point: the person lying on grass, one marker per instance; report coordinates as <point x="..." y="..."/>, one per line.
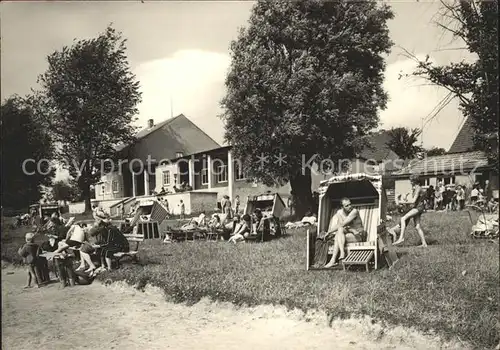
<point x="29" y="252"/>
<point x="417" y="208"/>
<point x="200" y="221"/>
<point x="348" y="228"/>
<point x="242" y="230"/>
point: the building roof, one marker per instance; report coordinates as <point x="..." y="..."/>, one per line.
<point x="377" y="148"/>
<point x="183" y="120"/>
<point x="445" y="164"/>
<point x="464" y="140"/>
<point x="169" y="137"/>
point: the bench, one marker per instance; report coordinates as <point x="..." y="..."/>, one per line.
<point x="131" y="237"/>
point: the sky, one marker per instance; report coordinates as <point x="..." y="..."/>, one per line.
<point x="179" y="51"/>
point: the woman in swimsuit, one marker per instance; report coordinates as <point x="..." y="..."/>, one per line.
<point x="415" y="213"/>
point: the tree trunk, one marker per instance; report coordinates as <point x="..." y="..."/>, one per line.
<point x="86" y="196"/>
<point x="85" y="187"/>
<point x="301" y="193"/>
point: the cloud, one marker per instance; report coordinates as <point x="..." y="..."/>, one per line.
<point x="411" y="99"/>
<point x="193" y="80"/>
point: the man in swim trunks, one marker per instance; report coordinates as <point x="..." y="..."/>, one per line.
<point x="349" y="228"/>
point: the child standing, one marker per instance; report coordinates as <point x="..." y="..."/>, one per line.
<point x="183" y="209"/>
<point x="29" y="252"/>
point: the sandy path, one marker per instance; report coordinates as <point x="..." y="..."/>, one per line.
<point x="118" y="317"/>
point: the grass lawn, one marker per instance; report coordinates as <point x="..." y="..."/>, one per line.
<point x="450" y="288"/>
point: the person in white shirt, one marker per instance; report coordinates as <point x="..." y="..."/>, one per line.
<point x="460" y="197"/>
<point x="474" y="194"/>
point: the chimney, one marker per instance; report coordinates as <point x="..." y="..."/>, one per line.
<point x="151" y="123"/>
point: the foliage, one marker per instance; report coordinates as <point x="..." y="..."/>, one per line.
<point x="89" y="98"/>
<point x="23" y="138"/>
<point x="474" y="84"/>
<point x="403" y="142"/>
<point x="305" y="81"/>
<point x="435" y="151"/>
<point x="63" y="191"/>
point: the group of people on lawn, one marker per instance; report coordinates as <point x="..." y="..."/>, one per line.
<point x="102" y="240"/>
<point x="348" y="226"/>
<point x="235" y="228"/>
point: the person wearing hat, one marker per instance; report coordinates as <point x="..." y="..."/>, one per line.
<point x="29" y="252"/>
<point x="109" y="240"/>
<point x="100" y="215"/>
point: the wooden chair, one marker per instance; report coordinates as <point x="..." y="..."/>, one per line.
<point x="213" y="234"/>
<point x="362" y="253"/>
<point x="136" y="238"/>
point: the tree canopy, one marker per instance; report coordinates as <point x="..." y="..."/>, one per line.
<point x="305" y="83"/>
<point x="26" y="152"/>
<point x="89" y="97"/>
<point x="475" y="84"/>
<point x="64" y="191"/>
<point x="435" y="151"/>
<point x="403" y="142"/>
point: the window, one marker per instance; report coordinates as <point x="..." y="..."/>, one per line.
<point x="179" y="155"/>
<point x="103" y="190"/>
<point x="427" y="182"/>
<point x="238" y="172"/>
<point x="166" y="177"/>
<point x="114" y="186"/>
<point x="204" y="176"/>
<point x="449" y="180"/>
<point x="222" y="173"/>
<point x="108" y="187"/>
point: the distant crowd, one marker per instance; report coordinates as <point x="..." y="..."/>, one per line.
<point x="455" y="197"/>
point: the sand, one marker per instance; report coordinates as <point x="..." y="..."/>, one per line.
<point x="120" y="317"/>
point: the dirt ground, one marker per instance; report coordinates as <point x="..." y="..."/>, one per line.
<point x="119" y="317"/>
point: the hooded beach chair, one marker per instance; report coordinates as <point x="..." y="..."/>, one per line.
<point x="366" y="195"/>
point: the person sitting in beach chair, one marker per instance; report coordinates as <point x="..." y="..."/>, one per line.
<point x="260" y="226"/>
<point x="348" y="228"/>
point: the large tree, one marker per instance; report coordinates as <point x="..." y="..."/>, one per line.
<point x="475" y="84"/>
<point x="89" y="97"/>
<point x="26" y="152"/>
<point x="305" y="85"/>
<point x="403" y="142"/>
